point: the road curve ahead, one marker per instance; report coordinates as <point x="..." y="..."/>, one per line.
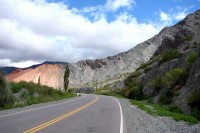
<point x="87" y="114"/>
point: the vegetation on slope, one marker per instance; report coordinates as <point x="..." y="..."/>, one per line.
<point x="163" y="110"/>
<point x="172" y="81"/>
<point x="30" y="93"/>
<point x="5" y="92"/>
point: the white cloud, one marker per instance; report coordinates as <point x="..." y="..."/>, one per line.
<point x="173" y="15"/>
<point x="180" y="15"/>
<point x="116" y="4"/>
<point x="22" y="64"/>
<point x="164" y="16"/>
<point x="35" y="31"/>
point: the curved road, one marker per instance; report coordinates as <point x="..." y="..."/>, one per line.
<point x="87" y="114"/>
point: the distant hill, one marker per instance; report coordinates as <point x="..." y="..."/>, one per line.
<point x="8" y="70"/>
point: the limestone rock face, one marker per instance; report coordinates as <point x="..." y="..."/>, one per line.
<point x="47" y="74"/>
<point x="87" y="71"/>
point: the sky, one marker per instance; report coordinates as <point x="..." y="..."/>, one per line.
<point x="34" y="31"/>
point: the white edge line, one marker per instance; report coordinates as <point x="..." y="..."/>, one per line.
<point x="121" y="116"/>
<point x="43" y="107"/>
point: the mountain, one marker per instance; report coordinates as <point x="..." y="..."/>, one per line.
<point x="8" y="70"/>
<point x="172" y="75"/>
<point x="45" y="74"/>
<point x="118" y="67"/>
<point x="88" y="72"/>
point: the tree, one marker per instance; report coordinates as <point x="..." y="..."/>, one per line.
<point x="66" y="78"/>
<point x="5" y="91"/>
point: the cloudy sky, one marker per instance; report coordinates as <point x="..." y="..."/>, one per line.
<point x="33" y="31"/>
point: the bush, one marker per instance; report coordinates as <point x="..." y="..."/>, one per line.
<point x="188" y="38"/>
<point x="169" y="55"/>
<point x="156" y="83"/>
<point x="194" y="99"/>
<point x="5" y="92"/>
<point x="134" y="90"/>
<point x="165" y="98"/>
<point x="45" y="93"/>
<point x="174" y="77"/>
<point x="146" y="64"/>
<point x="134" y="75"/>
<point x="190" y="59"/>
<point x="147" y="69"/>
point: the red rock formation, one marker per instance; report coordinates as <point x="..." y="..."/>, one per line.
<point x="47" y="74"/>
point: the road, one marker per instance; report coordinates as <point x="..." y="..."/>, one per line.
<point x="87" y="114"/>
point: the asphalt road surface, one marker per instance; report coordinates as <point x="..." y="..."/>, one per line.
<point x="87" y="114"/>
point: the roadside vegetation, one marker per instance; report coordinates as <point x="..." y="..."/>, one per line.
<point x="171" y="82"/>
<point x="114" y="94"/>
<point x="23" y="94"/>
<point x="165" y="110"/>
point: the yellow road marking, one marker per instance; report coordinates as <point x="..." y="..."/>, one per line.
<point x="46" y="124"/>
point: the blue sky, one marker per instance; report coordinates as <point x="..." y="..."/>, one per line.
<point x="143" y="10"/>
<point x="76" y="30"/>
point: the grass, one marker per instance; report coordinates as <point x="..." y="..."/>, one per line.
<point x="170" y="111"/>
<point x="44" y="94"/>
<point x="146" y="64"/>
<point x="114" y="94"/>
<point x="170" y="55"/>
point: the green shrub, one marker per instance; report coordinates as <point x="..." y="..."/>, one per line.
<point x="196" y="113"/>
<point x="174" y="77"/>
<point x="169" y="55"/>
<point x="188" y="38"/>
<point x="194" y="99"/>
<point x="156" y="83"/>
<point x="134" y="75"/>
<point x="5" y="92"/>
<point x="106" y="87"/>
<point x="134" y="90"/>
<point x="190" y="59"/>
<point x="147" y="69"/>
<point x="146" y="64"/>
<point x="165" y="98"/>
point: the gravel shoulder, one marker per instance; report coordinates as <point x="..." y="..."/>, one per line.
<point x="138" y="121"/>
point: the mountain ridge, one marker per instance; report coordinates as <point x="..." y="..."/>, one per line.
<point x="89" y="72"/>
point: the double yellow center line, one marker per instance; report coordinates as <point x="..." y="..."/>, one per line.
<point x="46" y="124"/>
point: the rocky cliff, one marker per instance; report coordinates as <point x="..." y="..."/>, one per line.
<point x="86" y="73"/>
<point x="172" y="75"/>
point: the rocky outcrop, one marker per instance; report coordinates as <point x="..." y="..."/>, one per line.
<point x="192" y="85"/>
<point x="85" y="72"/>
<point x="47" y="74"/>
<point x="157" y="74"/>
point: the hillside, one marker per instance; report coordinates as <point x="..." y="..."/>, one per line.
<point x="46" y="74"/>
<point x="84" y="72"/>
<point x="172" y="75"/>
<point x="116" y="68"/>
